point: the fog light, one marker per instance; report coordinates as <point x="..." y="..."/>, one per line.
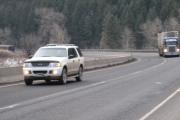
<point x="27" y="72"/>
<point x="55" y="72"/>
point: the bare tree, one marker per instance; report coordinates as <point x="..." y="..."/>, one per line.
<point x="5" y="36"/>
<point x="172" y="24"/>
<point x="150" y="30"/>
<point x="30" y="43"/>
<point x="128" y="38"/>
<point x="52" y="28"/>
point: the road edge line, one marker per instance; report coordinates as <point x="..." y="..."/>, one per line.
<point x="159" y="105"/>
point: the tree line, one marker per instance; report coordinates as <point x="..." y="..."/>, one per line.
<point x="113" y="24"/>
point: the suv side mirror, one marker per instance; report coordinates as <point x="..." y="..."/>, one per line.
<point x="71" y="56"/>
<point x="30" y="56"/>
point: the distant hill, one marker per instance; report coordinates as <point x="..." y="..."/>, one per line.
<point x="88" y="23"/>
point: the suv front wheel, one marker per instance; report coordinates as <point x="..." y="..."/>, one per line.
<point x="28" y="81"/>
<point x="63" y="79"/>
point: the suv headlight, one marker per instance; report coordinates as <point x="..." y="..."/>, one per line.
<point x="27" y="65"/>
<point x="55" y="65"/>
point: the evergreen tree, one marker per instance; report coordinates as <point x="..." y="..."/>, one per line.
<point x="111" y="35"/>
<point x="90" y="23"/>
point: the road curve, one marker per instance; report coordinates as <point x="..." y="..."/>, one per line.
<point x="126" y="92"/>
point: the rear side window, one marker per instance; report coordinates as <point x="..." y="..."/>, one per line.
<point x="79" y="51"/>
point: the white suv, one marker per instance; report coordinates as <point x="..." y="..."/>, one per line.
<point x="54" y="62"/>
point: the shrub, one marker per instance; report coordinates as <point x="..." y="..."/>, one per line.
<point x="7" y="54"/>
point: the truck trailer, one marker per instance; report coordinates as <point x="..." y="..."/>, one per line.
<point x="168" y="43"/>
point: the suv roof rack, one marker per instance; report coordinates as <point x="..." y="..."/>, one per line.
<point x="60" y="45"/>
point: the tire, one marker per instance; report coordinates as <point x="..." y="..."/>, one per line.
<point x="80" y="74"/>
<point x="63" y="78"/>
<point x="28" y="82"/>
<point x="48" y="81"/>
<point x="165" y="56"/>
<point x="160" y="55"/>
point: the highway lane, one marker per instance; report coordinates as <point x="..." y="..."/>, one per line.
<point x="10" y="95"/>
<point x="124" y="92"/>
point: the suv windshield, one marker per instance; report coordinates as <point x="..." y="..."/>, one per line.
<point x="51" y="52"/>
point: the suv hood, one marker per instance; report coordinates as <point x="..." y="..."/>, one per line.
<point x="48" y="59"/>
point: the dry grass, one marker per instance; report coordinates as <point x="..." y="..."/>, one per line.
<point x="10" y="59"/>
<point x="7" y="54"/>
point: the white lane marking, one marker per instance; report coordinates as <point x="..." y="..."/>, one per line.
<point x="138" y="60"/>
<point x="156" y="66"/>
<point x="134" y="73"/>
<point x="159" y="105"/>
<point x="11" y="85"/>
<point x="43" y="98"/>
<point x="9" y="107"/>
<point x="138" y="72"/>
<point x="158" y="83"/>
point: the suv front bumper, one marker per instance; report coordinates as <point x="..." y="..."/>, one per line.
<point x="42" y="73"/>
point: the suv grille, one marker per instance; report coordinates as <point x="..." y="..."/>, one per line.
<point x="172" y="49"/>
<point x="40" y="64"/>
<point x="39" y="72"/>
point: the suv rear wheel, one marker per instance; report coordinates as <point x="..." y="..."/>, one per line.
<point x="80" y="74"/>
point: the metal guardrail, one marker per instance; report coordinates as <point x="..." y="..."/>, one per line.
<point x="121" y="50"/>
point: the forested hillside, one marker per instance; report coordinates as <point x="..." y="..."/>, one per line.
<point x="88" y="23"/>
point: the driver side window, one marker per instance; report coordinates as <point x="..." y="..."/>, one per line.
<point x="72" y="53"/>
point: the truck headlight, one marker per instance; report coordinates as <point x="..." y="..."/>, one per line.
<point x="177" y="50"/>
<point x="27" y="65"/>
<point x="165" y="50"/>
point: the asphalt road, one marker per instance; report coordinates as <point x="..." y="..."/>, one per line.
<point x="147" y="89"/>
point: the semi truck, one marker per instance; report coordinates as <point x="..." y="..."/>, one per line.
<point x="168" y="43"/>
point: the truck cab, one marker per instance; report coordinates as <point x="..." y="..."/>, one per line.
<point x="170" y="47"/>
<point x="168" y="43"/>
